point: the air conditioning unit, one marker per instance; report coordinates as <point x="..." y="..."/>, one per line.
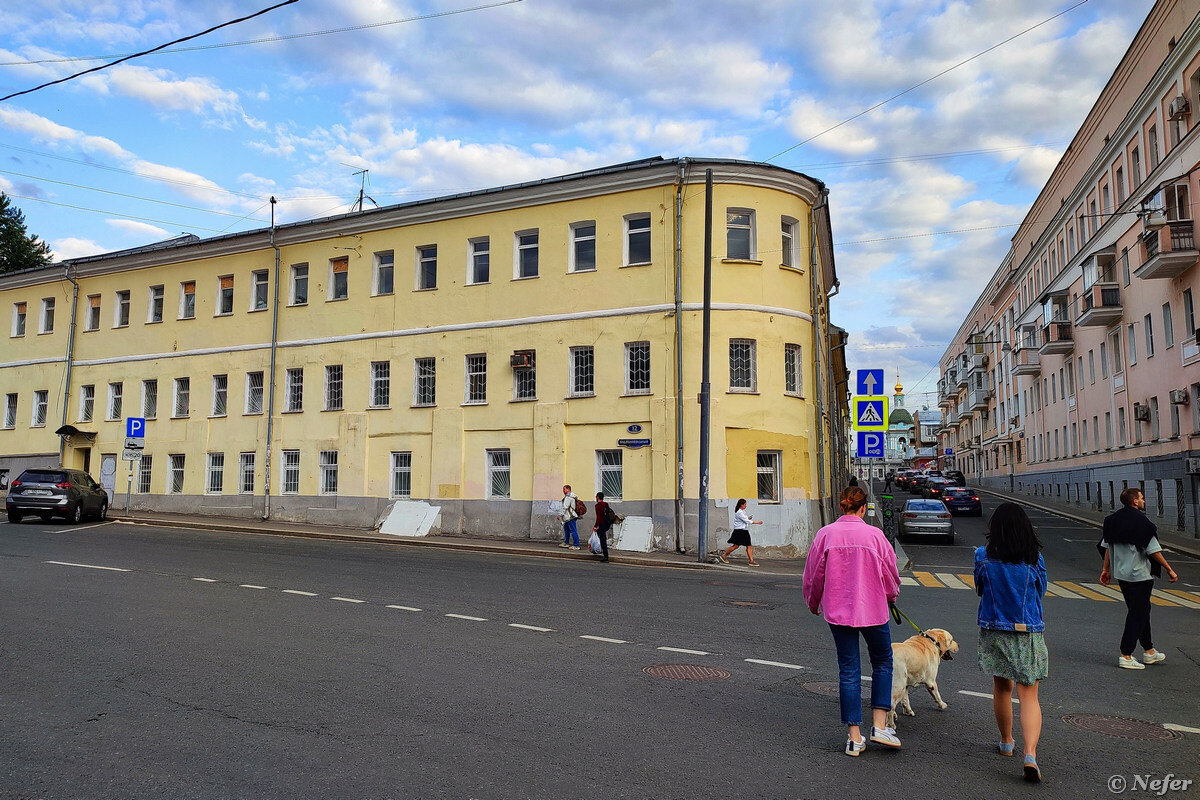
<point x="1193" y="466"/>
<point x="1141" y="412"/>
<point x="1154" y="218"/>
<point x="522" y="359"/>
<point x="1179" y="397"/>
<point x="1178" y="108"/>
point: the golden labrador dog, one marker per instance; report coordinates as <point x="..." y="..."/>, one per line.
<point x="915" y="662"/>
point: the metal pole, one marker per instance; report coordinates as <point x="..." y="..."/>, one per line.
<point x="679" y="467"/>
<point x="705" y="388"/>
<point x="128" y="484"/>
<point x="271" y="382"/>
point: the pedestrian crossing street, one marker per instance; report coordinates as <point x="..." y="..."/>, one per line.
<point x="1069" y="590"/>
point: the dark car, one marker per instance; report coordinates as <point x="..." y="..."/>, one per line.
<point x="926" y="518"/>
<point x="935" y="487"/>
<point x="916" y="484"/>
<point x="964" y="500"/>
<point x="48" y="493"/>
<point x="956" y="477"/>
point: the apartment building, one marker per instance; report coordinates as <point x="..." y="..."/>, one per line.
<point x="1077" y="371"/>
<point x="466" y="355"/>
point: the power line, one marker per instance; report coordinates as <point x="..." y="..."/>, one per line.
<point x="112" y="213"/>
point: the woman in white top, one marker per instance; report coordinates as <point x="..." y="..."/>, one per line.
<point x="741" y="533"/>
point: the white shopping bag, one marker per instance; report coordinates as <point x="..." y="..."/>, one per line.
<point x="594" y="544"/>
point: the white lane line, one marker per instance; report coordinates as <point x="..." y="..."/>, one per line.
<point x="404" y="608"/>
<point x="464" y="616"/>
<point x="347" y="600"/>
<point x="1106" y="590"/>
<point x="88" y="566"/>
<point x="530" y="627"/>
<point x="1174" y="598"/>
<point x="686" y="652"/>
<point x="907" y="581"/>
<point x="1058" y="591"/>
<point x="297" y="591"/>
<point x="951" y="581"/>
<point x="604" y="639"/>
<point x="206" y="580"/>
<point x="250" y="586"/>
<point x="1180" y="728"/>
<point x="984" y="694"/>
<point x="773" y="663"/>
<point x="84" y="527"/>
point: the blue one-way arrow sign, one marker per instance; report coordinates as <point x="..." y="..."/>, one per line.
<point x="870" y="381"/>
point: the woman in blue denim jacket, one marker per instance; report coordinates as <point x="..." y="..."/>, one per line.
<point x="1010" y="578"/>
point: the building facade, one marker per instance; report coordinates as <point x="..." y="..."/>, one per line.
<point x="1077" y="371"/>
<point x="465" y="356"/>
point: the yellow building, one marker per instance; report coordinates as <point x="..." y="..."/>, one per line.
<point x="470" y="353"/>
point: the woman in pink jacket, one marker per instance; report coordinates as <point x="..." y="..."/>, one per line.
<point x="851" y="576"/>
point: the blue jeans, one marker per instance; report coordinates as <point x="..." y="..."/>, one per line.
<point x="570" y="534"/>
<point x="879" y="647"/>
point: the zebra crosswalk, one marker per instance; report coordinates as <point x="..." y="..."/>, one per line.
<point x="1067" y="590"/>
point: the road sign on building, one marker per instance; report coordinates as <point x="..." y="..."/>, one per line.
<point x="870" y="381"/>
<point x="870" y="444"/>
<point x="131" y="454"/>
<point x="135" y="427"/>
<point x="869" y="413"/>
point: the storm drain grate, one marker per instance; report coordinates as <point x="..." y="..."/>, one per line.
<point x="746" y="604"/>
<point x="1122" y="727"/>
<point x="823" y="688"/>
<point x="687" y="672"/>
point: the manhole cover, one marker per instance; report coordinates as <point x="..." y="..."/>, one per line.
<point x="823" y="688"/>
<point x="746" y="604"/>
<point x="686" y="672"/>
<point x="1121" y="727"/>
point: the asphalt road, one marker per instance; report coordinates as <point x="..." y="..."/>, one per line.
<point x="240" y="666"/>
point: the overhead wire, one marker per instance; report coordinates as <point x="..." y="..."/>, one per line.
<point x="111" y="213"/>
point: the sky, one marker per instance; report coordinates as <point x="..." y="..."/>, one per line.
<point x="436" y="97"/>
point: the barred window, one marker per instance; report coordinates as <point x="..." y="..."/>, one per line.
<point x="116" y="393"/>
<point x="583" y="375"/>
<point x="175" y="479"/>
<point x="294" y="390"/>
<point x="145" y="467"/>
<point x="427" y="267"/>
<point x="637" y="239"/>
<point x="499" y="477"/>
<point x="333" y="387"/>
<point x="150" y="398"/>
<point x="254" y="392"/>
<point x="385" y="272"/>
<point x="477" y="378"/>
<point x="381" y="384"/>
<point x="525" y="383"/>
<point x="216" y="473"/>
<point x="289" y="476"/>
<point x="328" y="462"/>
<point x="611" y="473"/>
<point x="793" y="375"/>
<point x="10" y="410"/>
<point x="743" y="372"/>
<point x="425" y="382"/>
<point x="87" y="401"/>
<point x="246" y="473"/>
<point x="41" y="400"/>
<point x="402" y="474"/>
<point x="637" y="368"/>
<point x="768" y="476"/>
<point x="183" y="397"/>
<point x="220" y="389"/>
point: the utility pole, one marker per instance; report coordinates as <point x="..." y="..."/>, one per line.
<point x="705" y="393"/>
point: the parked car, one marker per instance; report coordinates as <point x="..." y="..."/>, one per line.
<point x="956" y="477"/>
<point x="960" y="498"/>
<point x="935" y="487"/>
<point x="926" y="518"/>
<point x="48" y="493"/>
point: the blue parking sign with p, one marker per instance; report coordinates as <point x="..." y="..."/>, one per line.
<point x="135" y="427"/>
<point x="870" y="444"/>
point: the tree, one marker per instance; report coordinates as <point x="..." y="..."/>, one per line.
<point x="18" y="249"/>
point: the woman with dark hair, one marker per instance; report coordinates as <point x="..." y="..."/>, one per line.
<point x="741" y="534"/>
<point x="851" y="576"/>
<point x="1010" y="578"/>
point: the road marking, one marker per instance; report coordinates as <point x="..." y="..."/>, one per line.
<point x="206" y="580"/>
<point x="1106" y="590"/>
<point x="907" y="581"/>
<point x="951" y="581"/>
<point x="604" y="639"/>
<point x="297" y="591"/>
<point x="88" y="566"/>
<point x="1180" y="728"/>
<point x="926" y="579"/>
<point x="773" y="663"/>
<point x="1058" y="591"/>
<point x="404" y="608"/>
<point x="968" y="579"/>
<point x="1188" y="596"/>
<point x="686" y="652"/>
<point x="984" y="694"/>
<point x="1088" y="593"/>
<point x="347" y="600"/>
<point x="470" y="619"/>
<point x="530" y="627"/>
<point x="1159" y="599"/>
<point x="84" y="528"/>
<point x="250" y="586"/>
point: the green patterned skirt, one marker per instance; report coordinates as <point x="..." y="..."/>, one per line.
<point x="1020" y="657"/>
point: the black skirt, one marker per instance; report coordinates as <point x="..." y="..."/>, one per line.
<point x="740" y="536"/>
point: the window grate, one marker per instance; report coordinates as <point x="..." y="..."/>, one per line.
<point x="176" y="482"/>
<point x="333" y="387"/>
<point x="87" y="402"/>
<point x="583" y="376"/>
<point x="425" y="382"/>
<point x="381" y="384"/>
<point x="216" y="473"/>
<point x="290" y="475"/>
<point x="254" y="392"/>
<point x="768" y="476"/>
<point x="742" y="368"/>
<point x="610" y="465"/>
<point x="145" y="467"/>
<point x="294" y="390"/>
<point x="402" y="474"/>
<point x="525" y="383"/>
<point x="150" y="399"/>
<point x="246" y="471"/>
<point x="328" y="462"/>
<point x="183" y="397"/>
<point x="499" y="474"/>
<point x="477" y="378"/>
<point x="637" y="368"/>
<point x="220" y="395"/>
<point x="793" y="381"/>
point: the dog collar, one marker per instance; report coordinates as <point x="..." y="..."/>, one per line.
<point x="936" y="644"/>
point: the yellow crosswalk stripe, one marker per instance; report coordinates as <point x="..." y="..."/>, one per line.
<point x="1088" y="593"/>
<point x="1066" y="589"/>
<point x="927" y="579"/>
<point x="967" y="578"/>
<point x="1108" y="591"/>
<point x="1160" y="599"/>
<point x="951" y="581"/>
<point x="1055" y="590"/>
<point x="1186" y="596"/>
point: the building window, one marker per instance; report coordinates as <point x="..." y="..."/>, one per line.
<point x="793" y="375"/>
<point x="479" y="253"/>
<point x="10" y="410"/>
<point x="289" y="476"/>
<point x="1119" y="179"/>
<point x="610" y="476"/>
<point x="293" y="392"/>
<point x="739" y="234"/>
<point x="183" y="400"/>
<point x="246" y="473"/>
<point x="1148" y="324"/>
<point x="1131" y="344"/>
<point x="381" y="384"/>
<point x="1189" y="314"/>
<point x="583" y="246"/>
<point x="216" y="474"/>
<point x="1108" y="439"/>
<point x="150" y="398"/>
<point x="339" y="278"/>
<point x="743" y="370"/>
<point x="427" y="267"/>
<point x="46" y="325"/>
<point x="175" y="479"/>
<point x="1168" y="326"/>
<point x="91" y="320"/>
<point x="328" y="463"/>
<point x="154" y="305"/>
<point x="254" y="393"/>
<point x="220" y="395"/>
<point x="525" y="383"/>
<point x="1154" y="426"/>
<point x="526" y="256"/>
<point x="18" y="319"/>
<point x="333" y="387"/>
<point x="637" y="240"/>
<point x="258" y="290"/>
<point x="116" y="392"/>
<point x="187" y="300"/>
<point x="583" y="374"/>
<point x="41" y="400"/>
<point x="1135" y="158"/>
<point x="87" y="402"/>
<point x="299" y="291"/>
<point x="385" y="272"/>
<point x="425" y="382"/>
<point x="401" y="475"/>
<point x="637" y="368"/>
<point x="499" y="475"/>
<point x="1103" y="361"/>
<point x="224" y="295"/>
<point x="768" y="476"/>
<point x="1122" y="429"/>
<point x="477" y="378"/>
<point x="145" y="469"/>
<point x="788" y="255"/>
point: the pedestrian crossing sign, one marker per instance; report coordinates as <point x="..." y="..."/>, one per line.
<point x="870" y="413"/>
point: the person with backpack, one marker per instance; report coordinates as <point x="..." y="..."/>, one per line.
<point x="572" y="509"/>
<point x="605" y="517"/>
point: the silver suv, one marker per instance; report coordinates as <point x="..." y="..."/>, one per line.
<point x="49" y="493"/>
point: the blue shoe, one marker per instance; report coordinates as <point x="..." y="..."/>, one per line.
<point x="1006" y="749"/>
<point x="1032" y="773"/>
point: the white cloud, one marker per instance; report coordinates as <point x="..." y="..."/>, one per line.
<point x="141" y="230"/>
<point x="75" y="248"/>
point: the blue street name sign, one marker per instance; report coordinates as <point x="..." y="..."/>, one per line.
<point x="949" y="452"/>
<point x="135" y="427"/>
<point x="870" y="381"/>
<point x="870" y="444"/>
<point x="633" y="443"/>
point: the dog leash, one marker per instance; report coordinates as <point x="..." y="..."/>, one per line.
<point x="897" y="614"/>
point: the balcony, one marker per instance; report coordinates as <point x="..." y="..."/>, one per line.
<point x="1056" y="338"/>
<point x="1101" y="305"/>
<point x="958" y="378"/>
<point x="1026" y="361"/>
<point x="1170" y="250"/>
<point x="977" y="399"/>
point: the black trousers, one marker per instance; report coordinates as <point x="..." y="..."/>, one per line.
<point x="1137" y="620"/>
<point x="603" y="532"/>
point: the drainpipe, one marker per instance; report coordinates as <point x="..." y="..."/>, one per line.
<point x="66" y="402"/>
<point x="679" y="187"/>
<point x="271" y="392"/>
<point x="819" y="338"/>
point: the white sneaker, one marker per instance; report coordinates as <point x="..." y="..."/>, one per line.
<point x="854" y="748"/>
<point x="563" y="544"/>
<point x="885" y="736"/>
<point x="1154" y="659"/>
<point x="1128" y="662"/>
